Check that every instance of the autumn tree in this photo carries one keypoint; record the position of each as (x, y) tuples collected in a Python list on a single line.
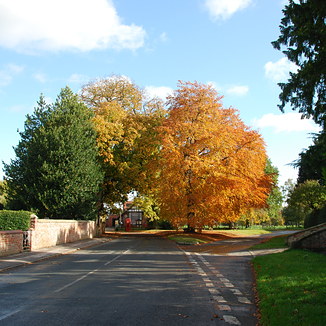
[(126, 122), (149, 207), (303, 35), (56, 172), (211, 164)]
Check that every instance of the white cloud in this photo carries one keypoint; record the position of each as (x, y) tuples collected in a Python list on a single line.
[(78, 79), (40, 77), (17, 108), (15, 69), (8, 73), (5, 78), (287, 122), (164, 37), (224, 9), (162, 92), (52, 25), (217, 87), (238, 90), (279, 71)]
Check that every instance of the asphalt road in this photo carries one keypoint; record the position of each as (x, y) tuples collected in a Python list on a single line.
[(130, 281)]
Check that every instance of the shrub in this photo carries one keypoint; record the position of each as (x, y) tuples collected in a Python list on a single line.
[(316, 217), (14, 220), (164, 225)]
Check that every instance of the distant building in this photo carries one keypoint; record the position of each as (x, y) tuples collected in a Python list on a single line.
[(135, 214)]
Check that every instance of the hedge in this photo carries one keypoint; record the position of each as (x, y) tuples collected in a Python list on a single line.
[(14, 220)]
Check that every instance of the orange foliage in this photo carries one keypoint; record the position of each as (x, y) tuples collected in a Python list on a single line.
[(211, 163)]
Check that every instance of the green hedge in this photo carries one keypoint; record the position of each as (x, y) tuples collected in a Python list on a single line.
[(14, 220)]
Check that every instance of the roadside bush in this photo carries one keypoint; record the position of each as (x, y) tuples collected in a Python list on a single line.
[(316, 217), (164, 225), (14, 220)]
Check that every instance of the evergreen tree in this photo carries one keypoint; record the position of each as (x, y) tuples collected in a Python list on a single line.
[(303, 34), (312, 161), (56, 172)]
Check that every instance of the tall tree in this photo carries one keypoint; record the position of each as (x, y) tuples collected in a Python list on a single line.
[(211, 164), (56, 171), (275, 198), (126, 124), (312, 161), (303, 33), (304, 199)]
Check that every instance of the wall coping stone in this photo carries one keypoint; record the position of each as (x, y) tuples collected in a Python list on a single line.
[(295, 238), (11, 231)]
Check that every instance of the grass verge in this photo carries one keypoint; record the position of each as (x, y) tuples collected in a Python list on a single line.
[(187, 240), (291, 288), (273, 243), (242, 232)]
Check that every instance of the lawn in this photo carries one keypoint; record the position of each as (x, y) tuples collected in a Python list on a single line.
[(276, 242), (241, 232), (291, 288), (185, 239)]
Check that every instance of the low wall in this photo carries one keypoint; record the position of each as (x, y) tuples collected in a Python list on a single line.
[(45, 233), (11, 242), (48, 233), (313, 238)]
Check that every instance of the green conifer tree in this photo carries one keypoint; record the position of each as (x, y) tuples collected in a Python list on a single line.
[(56, 171)]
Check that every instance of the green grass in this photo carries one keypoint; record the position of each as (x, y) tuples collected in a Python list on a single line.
[(186, 239), (273, 243), (292, 288), (243, 232)]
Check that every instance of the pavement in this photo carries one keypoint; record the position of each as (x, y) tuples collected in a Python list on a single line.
[(30, 257), (25, 258)]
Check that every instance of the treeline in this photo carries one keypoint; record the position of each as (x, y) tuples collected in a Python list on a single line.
[(190, 160)]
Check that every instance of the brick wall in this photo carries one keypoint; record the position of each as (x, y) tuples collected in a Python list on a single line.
[(48, 233), (11, 242)]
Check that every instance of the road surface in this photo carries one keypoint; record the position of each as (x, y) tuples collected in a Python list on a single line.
[(130, 281)]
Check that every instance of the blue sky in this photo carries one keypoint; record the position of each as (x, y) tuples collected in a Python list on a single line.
[(46, 45)]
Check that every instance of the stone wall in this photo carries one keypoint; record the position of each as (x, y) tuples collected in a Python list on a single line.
[(313, 238), (11, 242), (45, 233), (48, 233)]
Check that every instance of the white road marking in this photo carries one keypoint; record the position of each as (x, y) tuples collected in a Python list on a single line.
[(231, 320), (219, 299), (244, 300), (213, 291), (89, 273), (9, 314), (211, 288), (224, 307), (236, 291)]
